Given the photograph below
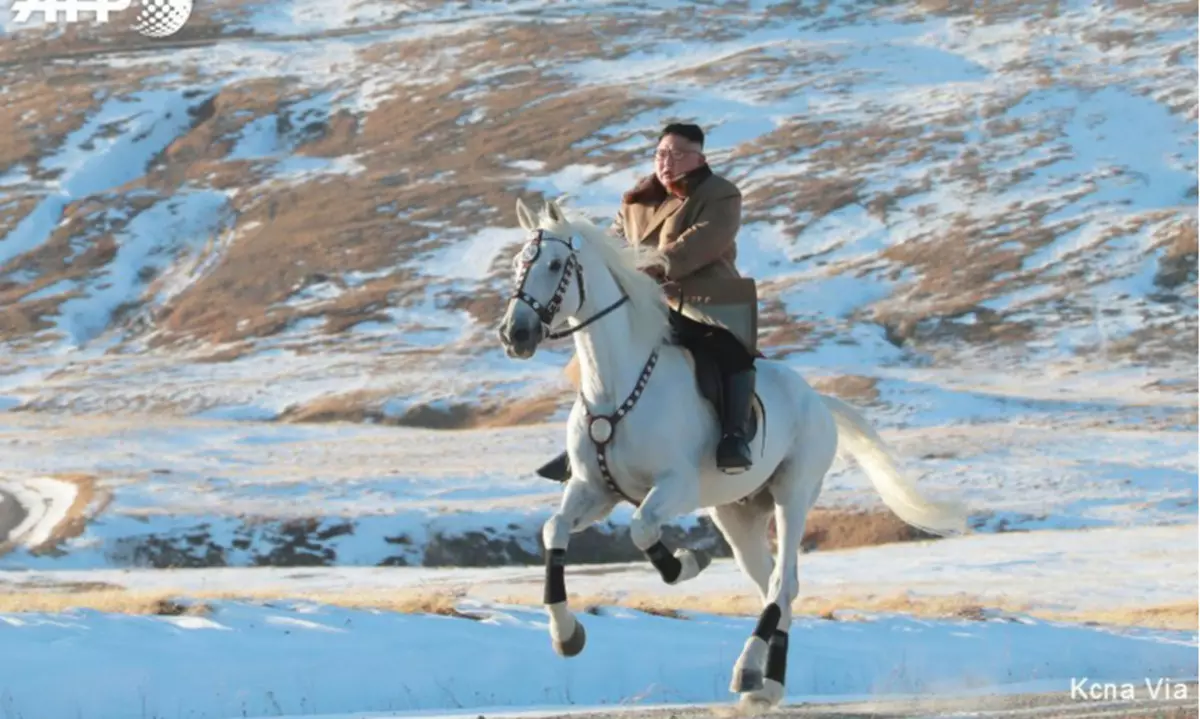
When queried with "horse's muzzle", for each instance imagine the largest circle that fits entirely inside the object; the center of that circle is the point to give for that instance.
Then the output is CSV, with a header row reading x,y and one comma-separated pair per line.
x,y
520,339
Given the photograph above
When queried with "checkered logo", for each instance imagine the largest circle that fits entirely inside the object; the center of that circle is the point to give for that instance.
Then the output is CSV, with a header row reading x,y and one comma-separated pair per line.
x,y
162,18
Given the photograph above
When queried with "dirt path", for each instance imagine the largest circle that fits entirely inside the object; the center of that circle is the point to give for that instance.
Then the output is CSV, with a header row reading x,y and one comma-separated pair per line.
x,y
1059,705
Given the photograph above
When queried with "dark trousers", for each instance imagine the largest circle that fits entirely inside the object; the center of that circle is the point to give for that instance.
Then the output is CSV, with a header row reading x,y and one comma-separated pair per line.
x,y
730,354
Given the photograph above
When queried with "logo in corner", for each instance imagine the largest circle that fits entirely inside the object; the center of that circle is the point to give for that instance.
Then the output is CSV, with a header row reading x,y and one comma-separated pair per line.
x,y
155,18
162,18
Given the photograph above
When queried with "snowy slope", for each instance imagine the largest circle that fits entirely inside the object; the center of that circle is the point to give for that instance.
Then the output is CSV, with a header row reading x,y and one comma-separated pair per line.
x,y
979,226
922,187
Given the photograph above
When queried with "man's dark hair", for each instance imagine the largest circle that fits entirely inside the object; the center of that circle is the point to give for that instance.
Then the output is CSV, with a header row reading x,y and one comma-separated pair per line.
x,y
686,130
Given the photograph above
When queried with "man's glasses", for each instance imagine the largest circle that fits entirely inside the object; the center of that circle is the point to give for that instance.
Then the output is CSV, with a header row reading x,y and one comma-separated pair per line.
x,y
673,154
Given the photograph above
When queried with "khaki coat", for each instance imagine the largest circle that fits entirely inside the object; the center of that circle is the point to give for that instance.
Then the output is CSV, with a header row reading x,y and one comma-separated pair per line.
x,y
698,234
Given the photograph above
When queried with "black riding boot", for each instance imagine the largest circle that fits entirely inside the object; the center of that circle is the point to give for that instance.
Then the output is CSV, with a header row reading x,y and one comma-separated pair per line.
x,y
558,469
733,453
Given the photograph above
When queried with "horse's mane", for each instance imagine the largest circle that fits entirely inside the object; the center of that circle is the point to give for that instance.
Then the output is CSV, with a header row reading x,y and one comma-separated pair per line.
x,y
625,261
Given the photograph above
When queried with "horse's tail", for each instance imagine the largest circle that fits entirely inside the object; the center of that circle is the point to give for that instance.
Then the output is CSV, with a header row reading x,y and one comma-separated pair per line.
x,y
860,440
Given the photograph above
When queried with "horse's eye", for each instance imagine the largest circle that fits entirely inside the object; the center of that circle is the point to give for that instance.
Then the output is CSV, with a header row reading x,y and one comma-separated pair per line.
x,y
556,266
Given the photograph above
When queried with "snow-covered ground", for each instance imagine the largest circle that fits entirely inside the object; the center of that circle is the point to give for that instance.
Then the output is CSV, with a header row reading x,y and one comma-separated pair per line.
x,y
299,658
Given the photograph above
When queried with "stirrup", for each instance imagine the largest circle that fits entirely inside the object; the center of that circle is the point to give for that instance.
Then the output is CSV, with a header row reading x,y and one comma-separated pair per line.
x,y
557,469
734,455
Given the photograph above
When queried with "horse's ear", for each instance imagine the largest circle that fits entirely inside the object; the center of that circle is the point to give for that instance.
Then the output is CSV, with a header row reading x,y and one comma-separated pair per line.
x,y
556,212
524,216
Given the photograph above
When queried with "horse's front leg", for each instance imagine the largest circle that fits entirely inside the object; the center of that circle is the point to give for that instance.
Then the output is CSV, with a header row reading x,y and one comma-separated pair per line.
x,y
582,504
671,496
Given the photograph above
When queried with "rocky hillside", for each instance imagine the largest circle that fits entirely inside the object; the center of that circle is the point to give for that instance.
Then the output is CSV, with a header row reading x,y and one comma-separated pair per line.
x,y
977,221
289,212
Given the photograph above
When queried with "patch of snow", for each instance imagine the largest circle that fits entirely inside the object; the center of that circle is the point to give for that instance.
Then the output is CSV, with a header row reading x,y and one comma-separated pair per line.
x,y
299,168
53,289
305,17
471,258
238,413
151,242
260,138
592,190
834,295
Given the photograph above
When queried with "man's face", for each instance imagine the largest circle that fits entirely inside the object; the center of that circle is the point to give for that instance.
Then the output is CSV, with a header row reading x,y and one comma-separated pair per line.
x,y
674,157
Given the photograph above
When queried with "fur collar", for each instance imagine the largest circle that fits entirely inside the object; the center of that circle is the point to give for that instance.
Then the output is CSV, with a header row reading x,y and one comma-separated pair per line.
x,y
649,191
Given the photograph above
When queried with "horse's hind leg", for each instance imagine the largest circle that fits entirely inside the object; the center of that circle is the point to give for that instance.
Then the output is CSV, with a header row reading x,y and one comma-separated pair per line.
x,y
745,528
582,504
795,489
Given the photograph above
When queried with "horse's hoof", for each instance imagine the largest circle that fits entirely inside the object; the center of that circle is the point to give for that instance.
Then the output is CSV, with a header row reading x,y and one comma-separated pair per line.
x,y
746,680
702,560
573,644
769,695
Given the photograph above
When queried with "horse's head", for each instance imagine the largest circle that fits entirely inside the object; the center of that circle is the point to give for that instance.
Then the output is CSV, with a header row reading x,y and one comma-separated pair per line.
x,y
549,282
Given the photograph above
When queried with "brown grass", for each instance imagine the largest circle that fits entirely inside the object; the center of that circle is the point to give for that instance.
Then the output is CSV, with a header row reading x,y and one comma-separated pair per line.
x,y
829,528
122,601
989,11
850,387
114,600
367,407
1177,265
951,606
1181,615
347,407
528,410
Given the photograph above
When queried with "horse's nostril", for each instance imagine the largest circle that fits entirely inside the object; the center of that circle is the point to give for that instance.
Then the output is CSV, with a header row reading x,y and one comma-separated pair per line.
x,y
520,334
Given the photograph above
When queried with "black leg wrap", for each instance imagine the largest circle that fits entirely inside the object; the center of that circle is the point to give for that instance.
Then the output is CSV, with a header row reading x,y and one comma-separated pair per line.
x,y
556,586
767,622
777,651
664,561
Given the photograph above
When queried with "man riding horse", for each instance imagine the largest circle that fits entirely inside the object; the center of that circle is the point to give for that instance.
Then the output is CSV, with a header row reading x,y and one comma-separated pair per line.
x,y
693,215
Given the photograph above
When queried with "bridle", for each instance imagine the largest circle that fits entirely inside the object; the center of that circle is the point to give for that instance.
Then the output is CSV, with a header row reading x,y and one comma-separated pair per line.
x,y
546,312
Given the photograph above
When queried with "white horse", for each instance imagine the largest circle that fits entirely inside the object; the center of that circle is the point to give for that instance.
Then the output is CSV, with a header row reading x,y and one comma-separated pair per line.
x,y
642,431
